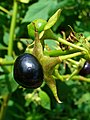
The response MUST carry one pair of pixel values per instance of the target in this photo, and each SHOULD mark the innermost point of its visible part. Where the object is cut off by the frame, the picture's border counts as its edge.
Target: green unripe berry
(37, 24)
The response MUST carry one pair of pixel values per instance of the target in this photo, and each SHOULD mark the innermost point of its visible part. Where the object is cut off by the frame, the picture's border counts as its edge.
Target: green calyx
(39, 30)
(48, 65)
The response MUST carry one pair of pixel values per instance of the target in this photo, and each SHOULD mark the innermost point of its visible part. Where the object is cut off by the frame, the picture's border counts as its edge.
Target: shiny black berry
(86, 69)
(28, 71)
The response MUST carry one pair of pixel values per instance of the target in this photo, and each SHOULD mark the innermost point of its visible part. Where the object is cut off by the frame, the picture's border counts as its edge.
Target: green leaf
(2, 47)
(1, 70)
(51, 44)
(39, 9)
(7, 84)
(8, 57)
(6, 38)
(53, 19)
(84, 98)
(24, 1)
(45, 100)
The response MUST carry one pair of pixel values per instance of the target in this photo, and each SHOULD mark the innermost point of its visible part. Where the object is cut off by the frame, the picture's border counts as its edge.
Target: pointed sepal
(52, 85)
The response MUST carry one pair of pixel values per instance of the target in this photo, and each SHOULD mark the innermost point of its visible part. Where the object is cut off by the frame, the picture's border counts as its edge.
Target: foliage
(38, 104)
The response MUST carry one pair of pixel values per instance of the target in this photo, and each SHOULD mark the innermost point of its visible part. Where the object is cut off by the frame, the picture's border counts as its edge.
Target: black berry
(28, 71)
(86, 69)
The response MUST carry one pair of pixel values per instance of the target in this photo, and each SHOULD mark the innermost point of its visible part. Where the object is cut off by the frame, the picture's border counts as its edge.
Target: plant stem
(77, 77)
(54, 53)
(57, 74)
(70, 44)
(6, 62)
(3, 48)
(70, 56)
(4, 106)
(5, 10)
(10, 50)
(73, 62)
(12, 28)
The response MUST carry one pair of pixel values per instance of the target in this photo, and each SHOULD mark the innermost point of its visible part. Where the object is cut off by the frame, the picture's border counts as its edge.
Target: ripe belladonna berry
(28, 71)
(86, 69)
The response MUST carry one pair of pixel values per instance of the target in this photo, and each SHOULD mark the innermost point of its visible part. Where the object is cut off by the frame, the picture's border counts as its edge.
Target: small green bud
(37, 24)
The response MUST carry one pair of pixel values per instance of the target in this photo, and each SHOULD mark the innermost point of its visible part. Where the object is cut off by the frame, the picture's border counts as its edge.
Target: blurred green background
(75, 95)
